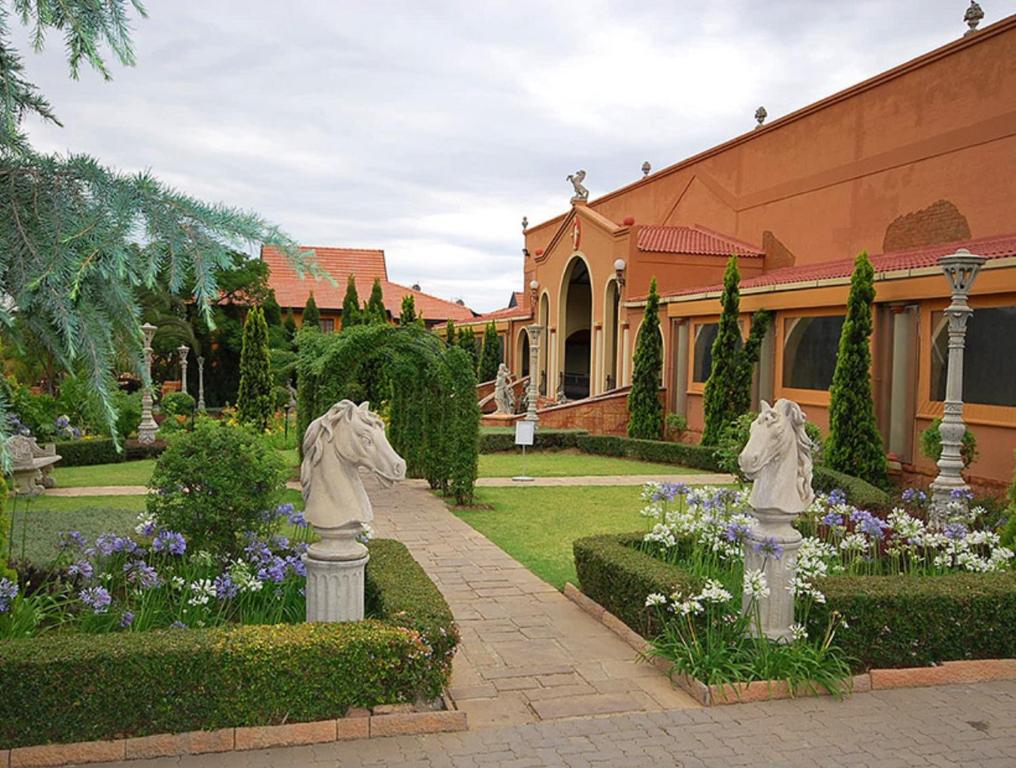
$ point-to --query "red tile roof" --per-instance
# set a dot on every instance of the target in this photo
(998, 247)
(694, 240)
(365, 265)
(505, 313)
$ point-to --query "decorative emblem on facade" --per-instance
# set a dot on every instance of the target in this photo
(576, 233)
(576, 179)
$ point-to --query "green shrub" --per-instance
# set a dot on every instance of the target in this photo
(645, 411)
(37, 412)
(908, 621)
(696, 456)
(931, 444)
(676, 425)
(311, 317)
(503, 439)
(6, 572)
(136, 451)
(491, 356)
(255, 399)
(859, 493)
(67, 688)
(734, 437)
(128, 413)
(86, 452)
(463, 426)
(177, 404)
(619, 577)
(215, 482)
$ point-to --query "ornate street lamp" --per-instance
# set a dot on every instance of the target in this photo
(619, 267)
(534, 332)
(534, 289)
(960, 270)
(147, 428)
(201, 384)
(182, 351)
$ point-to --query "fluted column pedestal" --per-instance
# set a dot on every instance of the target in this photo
(771, 547)
(335, 575)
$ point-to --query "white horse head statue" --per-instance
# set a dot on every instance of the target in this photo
(778, 459)
(335, 446)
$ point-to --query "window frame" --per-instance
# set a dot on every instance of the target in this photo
(819, 397)
(699, 387)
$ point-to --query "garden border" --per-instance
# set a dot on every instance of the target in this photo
(383, 720)
(946, 673)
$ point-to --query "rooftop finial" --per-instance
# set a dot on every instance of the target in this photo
(760, 116)
(525, 223)
(646, 168)
(973, 17)
(576, 179)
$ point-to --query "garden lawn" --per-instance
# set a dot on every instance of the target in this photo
(569, 463)
(537, 526)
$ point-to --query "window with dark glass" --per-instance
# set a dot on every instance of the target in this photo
(989, 356)
(809, 351)
(705, 335)
(328, 325)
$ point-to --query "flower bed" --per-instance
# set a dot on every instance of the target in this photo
(70, 686)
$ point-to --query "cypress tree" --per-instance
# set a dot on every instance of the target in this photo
(351, 314)
(311, 315)
(467, 342)
(450, 335)
(855, 446)
(290, 326)
(728, 390)
(490, 358)
(273, 312)
(375, 309)
(464, 426)
(408, 314)
(645, 411)
(254, 401)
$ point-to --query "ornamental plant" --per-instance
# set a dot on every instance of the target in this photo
(645, 411)
(728, 389)
(214, 483)
(464, 427)
(374, 311)
(855, 444)
(467, 342)
(931, 444)
(311, 314)
(6, 572)
(407, 316)
(490, 358)
(351, 314)
(450, 336)
(255, 401)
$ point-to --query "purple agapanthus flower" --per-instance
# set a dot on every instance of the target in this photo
(73, 540)
(142, 574)
(62, 422)
(832, 519)
(225, 589)
(178, 625)
(961, 494)
(769, 547)
(81, 568)
(126, 619)
(955, 531)
(669, 491)
(107, 543)
(96, 598)
(284, 510)
(280, 542)
(8, 591)
(867, 523)
(914, 496)
(296, 565)
(837, 496)
(273, 570)
(169, 541)
(736, 532)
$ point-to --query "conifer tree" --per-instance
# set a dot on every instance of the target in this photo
(728, 389)
(645, 411)
(273, 312)
(464, 424)
(855, 446)
(467, 341)
(351, 313)
(490, 358)
(451, 337)
(375, 311)
(254, 400)
(408, 314)
(289, 325)
(311, 315)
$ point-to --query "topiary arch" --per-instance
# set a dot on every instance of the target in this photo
(427, 424)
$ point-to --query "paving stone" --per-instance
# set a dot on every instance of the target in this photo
(590, 704)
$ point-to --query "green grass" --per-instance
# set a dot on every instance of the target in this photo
(537, 526)
(122, 473)
(568, 464)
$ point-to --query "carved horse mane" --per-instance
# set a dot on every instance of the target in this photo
(779, 449)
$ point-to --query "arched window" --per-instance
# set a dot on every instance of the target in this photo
(810, 345)
(989, 356)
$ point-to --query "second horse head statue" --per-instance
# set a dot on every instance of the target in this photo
(777, 458)
(335, 446)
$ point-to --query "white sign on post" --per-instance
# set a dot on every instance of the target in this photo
(525, 432)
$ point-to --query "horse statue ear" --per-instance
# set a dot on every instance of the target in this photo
(764, 406)
(792, 411)
(364, 406)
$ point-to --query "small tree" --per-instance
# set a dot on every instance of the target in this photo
(464, 423)
(728, 390)
(467, 342)
(289, 326)
(351, 313)
(855, 445)
(311, 315)
(374, 311)
(450, 336)
(645, 411)
(254, 400)
(408, 314)
(490, 359)
(273, 312)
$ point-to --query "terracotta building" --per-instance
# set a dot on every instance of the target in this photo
(909, 165)
(366, 265)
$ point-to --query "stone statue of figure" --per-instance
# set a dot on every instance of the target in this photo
(576, 179)
(777, 458)
(335, 446)
(504, 397)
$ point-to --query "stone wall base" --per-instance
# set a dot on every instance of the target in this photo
(384, 720)
(947, 673)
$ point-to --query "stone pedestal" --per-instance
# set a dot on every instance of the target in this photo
(335, 568)
(334, 589)
(777, 609)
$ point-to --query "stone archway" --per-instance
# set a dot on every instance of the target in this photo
(575, 331)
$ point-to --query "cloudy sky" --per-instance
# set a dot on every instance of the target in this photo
(429, 128)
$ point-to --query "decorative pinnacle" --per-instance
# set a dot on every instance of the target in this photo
(973, 17)
(525, 223)
(760, 116)
(646, 168)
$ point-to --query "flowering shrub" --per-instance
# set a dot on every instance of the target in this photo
(155, 580)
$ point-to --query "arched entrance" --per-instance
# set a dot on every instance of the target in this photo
(544, 343)
(523, 353)
(611, 340)
(575, 324)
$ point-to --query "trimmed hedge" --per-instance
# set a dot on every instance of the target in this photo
(686, 454)
(73, 687)
(499, 439)
(85, 453)
(892, 621)
(859, 492)
(911, 621)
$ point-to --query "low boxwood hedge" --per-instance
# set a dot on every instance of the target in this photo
(86, 452)
(70, 687)
(891, 621)
(686, 454)
(498, 439)
(859, 492)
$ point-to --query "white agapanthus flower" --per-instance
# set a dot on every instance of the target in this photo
(713, 592)
(798, 632)
(655, 599)
(755, 585)
(202, 591)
